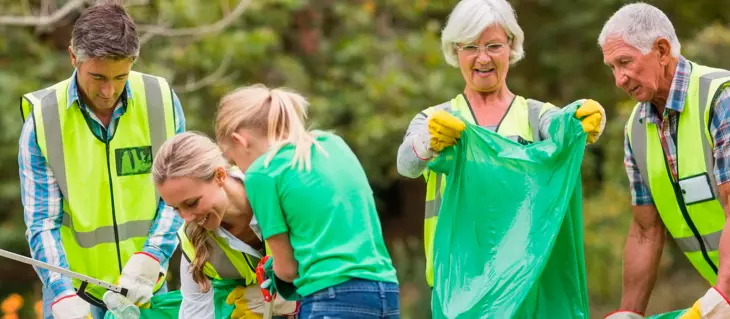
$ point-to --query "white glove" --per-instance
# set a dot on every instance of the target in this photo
(713, 305)
(140, 276)
(422, 146)
(70, 307)
(624, 314)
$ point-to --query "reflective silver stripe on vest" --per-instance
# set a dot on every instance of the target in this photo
(105, 234)
(638, 147)
(705, 82)
(56, 160)
(533, 117)
(690, 244)
(218, 259)
(54, 142)
(433, 206)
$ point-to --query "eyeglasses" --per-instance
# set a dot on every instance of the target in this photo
(491, 49)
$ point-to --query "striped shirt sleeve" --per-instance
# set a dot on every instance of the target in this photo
(720, 131)
(41, 200)
(163, 240)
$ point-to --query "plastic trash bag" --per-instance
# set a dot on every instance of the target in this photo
(167, 305)
(509, 239)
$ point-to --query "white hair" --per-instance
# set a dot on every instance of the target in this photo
(469, 19)
(639, 25)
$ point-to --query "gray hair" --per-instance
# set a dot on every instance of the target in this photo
(639, 25)
(105, 31)
(469, 19)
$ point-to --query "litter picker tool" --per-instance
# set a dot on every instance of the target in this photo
(128, 309)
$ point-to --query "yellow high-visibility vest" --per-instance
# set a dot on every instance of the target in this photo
(109, 199)
(694, 219)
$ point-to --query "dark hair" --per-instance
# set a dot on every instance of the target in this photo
(105, 31)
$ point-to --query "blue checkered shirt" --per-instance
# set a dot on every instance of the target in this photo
(42, 198)
(667, 127)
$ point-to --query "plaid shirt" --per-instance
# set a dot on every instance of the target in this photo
(42, 198)
(667, 127)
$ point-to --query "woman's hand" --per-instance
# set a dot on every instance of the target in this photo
(444, 129)
(593, 118)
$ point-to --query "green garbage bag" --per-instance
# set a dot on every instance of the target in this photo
(167, 305)
(509, 240)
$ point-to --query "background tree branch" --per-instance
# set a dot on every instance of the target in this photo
(44, 20)
(199, 30)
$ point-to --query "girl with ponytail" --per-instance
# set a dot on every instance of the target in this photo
(220, 240)
(314, 205)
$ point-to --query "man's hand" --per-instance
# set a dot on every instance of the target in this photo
(593, 118)
(623, 314)
(713, 305)
(140, 276)
(70, 307)
(444, 129)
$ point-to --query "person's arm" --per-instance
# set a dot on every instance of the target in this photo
(641, 257)
(162, 240)
(195, 303)
(414, 153)
(263, 195)
(42, 202)
(285, 266)
(720, 131)
(645, 240)
(545, 119)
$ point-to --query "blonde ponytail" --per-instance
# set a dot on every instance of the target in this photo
(279, 114)
(199, 238)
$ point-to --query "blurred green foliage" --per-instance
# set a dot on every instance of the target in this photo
(368, 66)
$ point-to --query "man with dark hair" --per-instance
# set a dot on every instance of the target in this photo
(85, 155)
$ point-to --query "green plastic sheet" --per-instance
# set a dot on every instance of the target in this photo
(167, 305)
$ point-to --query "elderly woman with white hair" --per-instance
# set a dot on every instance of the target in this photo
(680, 183)
(481, 38)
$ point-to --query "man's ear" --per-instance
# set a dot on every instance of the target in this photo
(72, 56)
(664, 49)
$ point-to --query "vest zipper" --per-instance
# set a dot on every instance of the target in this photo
(114, 215)
(683, 208)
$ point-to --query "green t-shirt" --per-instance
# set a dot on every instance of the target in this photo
(329, 213)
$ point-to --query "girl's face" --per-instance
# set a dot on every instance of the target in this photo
(197, 201)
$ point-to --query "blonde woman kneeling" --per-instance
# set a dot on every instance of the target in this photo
(314, 204)
(220, 239)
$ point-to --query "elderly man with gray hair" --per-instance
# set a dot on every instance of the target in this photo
(679, 182)
(482, 39)
(85, 155)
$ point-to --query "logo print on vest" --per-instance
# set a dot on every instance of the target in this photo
(133, 160)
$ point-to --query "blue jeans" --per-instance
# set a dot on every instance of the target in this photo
(353, 299)
(96, 312)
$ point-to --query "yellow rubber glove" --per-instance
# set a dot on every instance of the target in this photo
(713, 305)
(242, 311)
(444, 129)
(693, 313)
(593, 118)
